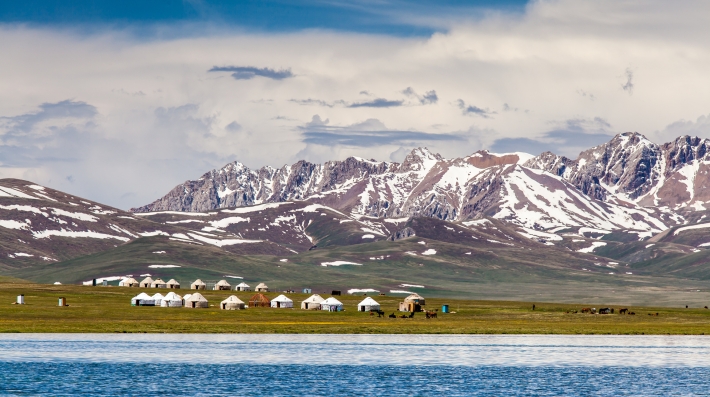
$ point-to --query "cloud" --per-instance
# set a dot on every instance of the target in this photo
(429, 97)
(233, 127)
(473, 110)
(700, 127)
(629, 85)
(249, 72)
(569, 138)
(66, 109)
(369, 133)
(376, 103)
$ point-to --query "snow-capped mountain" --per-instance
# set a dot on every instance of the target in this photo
(627, 183)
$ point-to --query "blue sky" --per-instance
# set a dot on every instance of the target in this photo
(393, 17)
(119, 101)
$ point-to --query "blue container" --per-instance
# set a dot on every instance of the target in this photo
(444, 308)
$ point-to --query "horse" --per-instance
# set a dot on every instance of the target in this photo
(380, 313)
(586, 310)
(624, 310)
(430, 314)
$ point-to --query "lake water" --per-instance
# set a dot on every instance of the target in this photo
(346, 365)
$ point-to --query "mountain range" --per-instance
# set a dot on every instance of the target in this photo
(623, 221)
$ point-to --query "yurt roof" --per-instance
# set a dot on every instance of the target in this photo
(281, 298)
(223, 282)
(171, 296)
(232, 299)
(332, 302)
(196, 297)
(315, 298)
(413, 296)
(130, 280)
(243, 284)
(147, 280)
(173, 281)
(187, 296)
(142, 295)
(259, 298)
(198, 282)
(368, 302)
(159, 281)
(262, 285)
(158, 295)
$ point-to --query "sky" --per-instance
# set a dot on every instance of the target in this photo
(118, 102)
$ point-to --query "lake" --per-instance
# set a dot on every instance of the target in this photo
(364, 365)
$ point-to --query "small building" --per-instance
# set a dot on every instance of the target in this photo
(242, 287)
(198, 284)
(368, 304)
(222, 285)
(128, 282)
(259, 300)
(307, 290)
(146, 283)
(312, 303)
(142, 299)
(412, 303)
(158, 283)
(332, 305)
(196, 301)
(232, 303)
(171, 300)
(261, 288)
(172, 284)
(158, 298)
(281, 302)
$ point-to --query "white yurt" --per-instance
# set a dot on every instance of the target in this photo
(367, 305)
(158, 298)
(242, 287)
(147, 282)
(142, 299)
(158, 283)
(172, 284)
(222, 285)
(232, 303)
(185, 298)
(332, 305)
(198, 284)
(281, 302)
(312, 303)
(196, 301)
(261, 288)
(171, 300)
(128, 282)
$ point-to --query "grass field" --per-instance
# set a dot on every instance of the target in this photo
(108, 310)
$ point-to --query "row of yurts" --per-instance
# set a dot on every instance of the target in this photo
(314, 302)
(222, 285)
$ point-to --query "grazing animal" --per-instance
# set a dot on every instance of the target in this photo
(430, 314)
(586, 310)
(411, 315)
(623, 311)
(706, 307)
(392, 316)
(632, 313)
(403, 316)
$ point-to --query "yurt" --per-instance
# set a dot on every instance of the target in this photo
(185, 298)
(261, 288)
(128, 282)
(196, 301)
(367, 305)
(198, 284)
(242, 287)
(412, 303)
(158, 298)
(332, 305)
(415, 298)
(158, 283)
(171, 300)
(281, 302)
(172, 284)
(142, 299)
(312, 303)
(147, 282)
(232, 303)
(222, 285)
(259, 300)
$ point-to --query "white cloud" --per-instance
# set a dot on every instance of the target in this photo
(159, 117)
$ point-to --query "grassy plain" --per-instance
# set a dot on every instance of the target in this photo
(108, 310)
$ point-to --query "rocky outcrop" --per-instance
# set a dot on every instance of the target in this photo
(402, 234)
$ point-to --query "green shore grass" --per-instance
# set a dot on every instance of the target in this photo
(108, 310)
